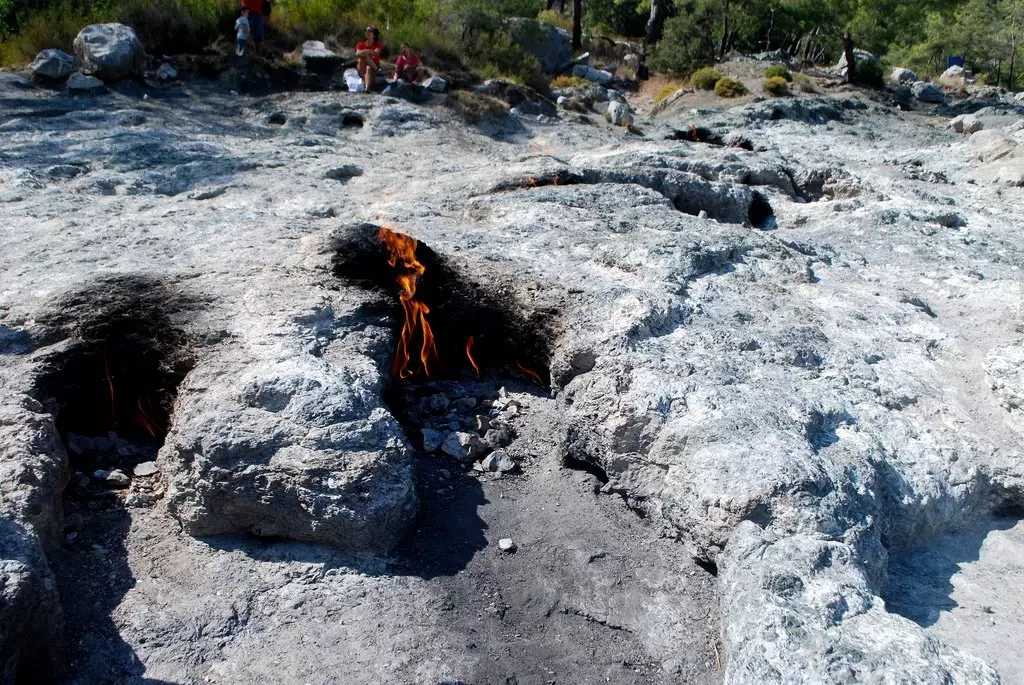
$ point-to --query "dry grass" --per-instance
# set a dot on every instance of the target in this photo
(568, 82)
(474, 108)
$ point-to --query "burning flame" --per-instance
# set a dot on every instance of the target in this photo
(530, 372)
(402, 249)
(694, 134)
(145, 420)
(469, 355)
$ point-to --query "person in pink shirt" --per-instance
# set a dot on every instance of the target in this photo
(408, 66)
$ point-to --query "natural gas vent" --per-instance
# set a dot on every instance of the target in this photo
(112, 385)
(467, 358)
(447, 326)
(688, 192)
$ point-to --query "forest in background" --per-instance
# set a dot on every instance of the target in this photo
(681, 35)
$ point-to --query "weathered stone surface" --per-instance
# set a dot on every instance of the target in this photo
(53, 64)
(859, 55)
(435, 84)
(318, 58)
(954, 72)
(110, 51)
(1005, 368)
(294, 446)
(551, 45)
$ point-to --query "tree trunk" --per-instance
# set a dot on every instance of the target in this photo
(851, 59)
(577, 24)
(768, 35)
(656, 21)
(725, 30)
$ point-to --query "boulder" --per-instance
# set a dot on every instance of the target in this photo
(318, 58)
(435, 84)
(80, 81)
(966, 123)
(860, 55)
(53, 64)
(902, 75)
(591, 74)
(110, 51)
(551, 45)
(1010, 176)
(992, 145)
(927, 92)
(516, 96)
(619, 113)
(954, 72)
(294, 447)
(166, 73)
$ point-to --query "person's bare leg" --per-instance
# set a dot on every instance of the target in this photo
(370, 74)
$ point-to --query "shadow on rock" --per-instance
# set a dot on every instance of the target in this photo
(920, 583)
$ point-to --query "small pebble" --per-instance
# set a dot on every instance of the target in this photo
(146, 468)
(118, 478)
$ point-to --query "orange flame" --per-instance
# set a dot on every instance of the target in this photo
(532, 181)
(402, 249)
(694, 134)
(469, 355)
(530, 372)
(145, 420)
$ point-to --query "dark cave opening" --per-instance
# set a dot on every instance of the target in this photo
(760, 213)
(110, 384)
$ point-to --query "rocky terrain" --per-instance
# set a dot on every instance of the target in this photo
(725, 396)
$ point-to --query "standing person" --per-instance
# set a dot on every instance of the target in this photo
(257, 22)
(368, 53)
(242, 35)
(408, 66)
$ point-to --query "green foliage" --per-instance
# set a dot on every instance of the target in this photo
(728, 87)
(686, 44)
(705, 79)
(871, 73)
(804, 84)
(52, 27)
(776, 85)
(556, 19)
(665, 91)
(170, 26)
(777, 70)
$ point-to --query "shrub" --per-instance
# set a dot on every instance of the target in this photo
(167, 27)
(778, 71)
(805, 84)
(776, 85)
(53, 27)
(666, 91)
(730, 88)
(686, 43)
(565, 81)
(474, 107)
(706, 78)
(871, 73)
(556, 19)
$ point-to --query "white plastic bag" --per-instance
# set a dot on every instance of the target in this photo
(354, 81)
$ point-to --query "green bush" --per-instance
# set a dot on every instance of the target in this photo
(871, 73)
(168, 27)
(666, 90)
(556, 19)
(730, 88)
(776, 85)
(804, 84)
(778, 71)
(53, 27)
(686, 43)
(706, 78)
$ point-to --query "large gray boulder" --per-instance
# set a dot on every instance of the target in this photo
(927, 92)
(860, 56)
(110, 51)
(53, 64)
(551, 45)
(318, 58)
(902, 75)
(277, 442)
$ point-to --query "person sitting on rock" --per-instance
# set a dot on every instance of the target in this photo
(368, 54)
(408, 66)
(242, 35)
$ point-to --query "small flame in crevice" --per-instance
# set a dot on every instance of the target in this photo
(146, 421)
(402, 251)
(530, 372)
(113, 398)
(694, 134)
(469, 355)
